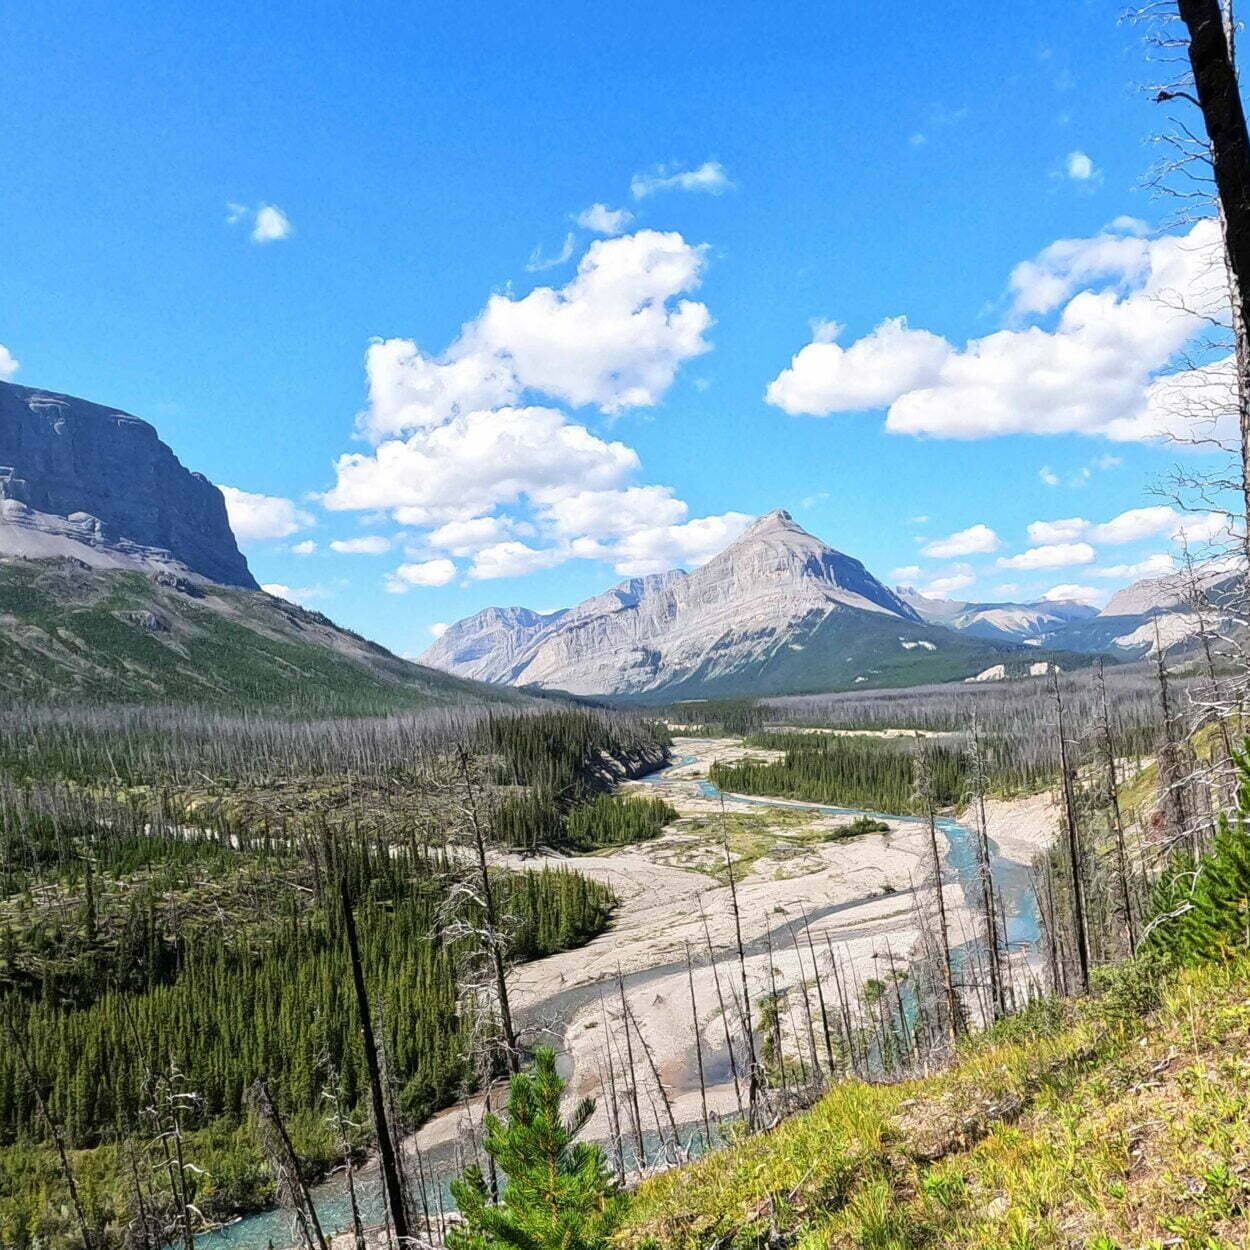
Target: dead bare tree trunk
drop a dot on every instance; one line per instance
(698, 1048)
(993, 939)
(807, 1004)
(924, 795)
(753, 1070)
(1074, 844)
(1117, 819)
(54, 1131)
(820, 997)
(1171, 781)
(630, 1018)
(390, 1172)
(1219, 98)
(724, 1015)
(492, 915)
(290, 1174)
(633, 1075)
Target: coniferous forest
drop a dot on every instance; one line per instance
(171, 930)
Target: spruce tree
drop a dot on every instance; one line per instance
(1202, 910)
(558, 1195)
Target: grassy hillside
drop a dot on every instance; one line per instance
(1124, 1121)
(69, 633)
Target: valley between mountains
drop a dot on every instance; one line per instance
(797, 876)
(809, 896)
(727, 843)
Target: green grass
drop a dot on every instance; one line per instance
(1062, 1129)
(69, 633)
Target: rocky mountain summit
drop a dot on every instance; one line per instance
(778, 610)
(83, 480)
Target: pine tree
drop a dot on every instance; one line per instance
(559, 1195)
(1202, 910)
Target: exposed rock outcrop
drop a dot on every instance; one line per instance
(82, 480)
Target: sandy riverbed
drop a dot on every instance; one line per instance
(856, 894)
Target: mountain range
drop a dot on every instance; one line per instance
(121, 581)
(780, 611)
(120, 578)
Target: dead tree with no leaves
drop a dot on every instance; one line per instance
(925, 800)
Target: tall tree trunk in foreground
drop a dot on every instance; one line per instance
(1219, 98)
(753, 1070)
(1074, 845)
(1117, 819)
(924, 794)
(990, 917)
(390, 1172)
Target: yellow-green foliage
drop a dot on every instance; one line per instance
(1096, 1132)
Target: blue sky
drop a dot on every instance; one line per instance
(210, 215)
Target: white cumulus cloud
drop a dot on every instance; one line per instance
(1063, 531)
(1079, 167)
(257, 518)
(975, 540)
(825, 377)
(271, 225)
(1128, 527)
(613, 337)
(475, 462)
(369, 545)
(610, 513)
(1152, 566)
(467, 538)
(8, 366)
(1119, 309)
(1049, 556)
(423, 573)
(657, 548)
(455, 443)
(513, 559)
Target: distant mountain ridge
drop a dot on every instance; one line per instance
(1028, 623)
(84, 480)
(777, 611)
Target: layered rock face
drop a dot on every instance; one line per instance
(773, 587)
(88, 481)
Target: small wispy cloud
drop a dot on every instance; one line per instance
(710, 177)
(601, 219)
(269, 223)
(538, 262)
